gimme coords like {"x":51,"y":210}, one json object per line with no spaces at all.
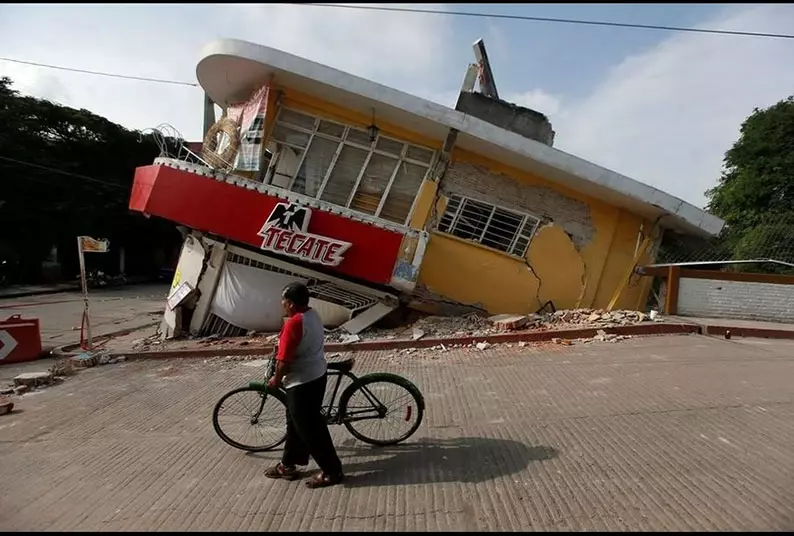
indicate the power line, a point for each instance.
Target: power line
{"x":67,"y":173}
{"x":431,"y":12}
{"x":558,"y":20}
{"x":100,"y":73}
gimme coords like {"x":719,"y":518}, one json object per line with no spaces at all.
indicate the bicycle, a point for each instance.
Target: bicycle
{"x":347,"y":412}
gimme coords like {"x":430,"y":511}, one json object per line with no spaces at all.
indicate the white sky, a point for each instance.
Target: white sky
{"x":664,"y":115}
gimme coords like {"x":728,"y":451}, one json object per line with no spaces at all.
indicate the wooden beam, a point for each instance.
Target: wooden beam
{"x":673,"y":285}
{"x":663,"y":271}
{"x":630,"y":270}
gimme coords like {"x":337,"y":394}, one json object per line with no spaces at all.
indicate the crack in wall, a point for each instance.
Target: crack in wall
{"x":570,"y":215}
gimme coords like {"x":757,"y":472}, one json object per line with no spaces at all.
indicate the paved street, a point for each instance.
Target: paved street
{"x":111,"y":310}
{"x":664,"y":433}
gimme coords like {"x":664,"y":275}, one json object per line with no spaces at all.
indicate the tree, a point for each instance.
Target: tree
{"x":67,"y":172}
{"x":755,"y":195}
{"x":757,"y":185}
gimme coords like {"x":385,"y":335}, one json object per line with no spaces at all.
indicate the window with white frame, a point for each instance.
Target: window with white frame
{"x":340,"y":164}
{"x":499,"y":228}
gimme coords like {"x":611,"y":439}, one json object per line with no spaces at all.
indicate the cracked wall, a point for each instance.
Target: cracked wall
{"x":577,"y":257}
{"x":558,"y":265}
{"x":539,"y":200}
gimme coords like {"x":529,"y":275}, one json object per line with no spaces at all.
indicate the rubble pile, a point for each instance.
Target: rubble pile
{"x":429,"y":326}
{"x":593,"y":318}
{"x":474,"y":325}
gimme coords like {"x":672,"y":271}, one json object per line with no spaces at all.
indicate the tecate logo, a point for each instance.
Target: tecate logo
{"x":286,"y":232}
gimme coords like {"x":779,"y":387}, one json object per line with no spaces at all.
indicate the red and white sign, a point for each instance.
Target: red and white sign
{"x":237,"y":213}
{"x":7,"y":344}
{"x":286,"y":232}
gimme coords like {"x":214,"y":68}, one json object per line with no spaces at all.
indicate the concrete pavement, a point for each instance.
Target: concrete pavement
{"x":660,"y":433}
{"x":111,"y":310}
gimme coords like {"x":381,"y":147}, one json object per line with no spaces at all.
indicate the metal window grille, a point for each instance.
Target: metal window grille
{"x":339,"y":164}
{"x":496,"y":227}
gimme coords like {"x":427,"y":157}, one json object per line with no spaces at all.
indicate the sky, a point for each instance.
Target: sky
{"x":661,"y":107}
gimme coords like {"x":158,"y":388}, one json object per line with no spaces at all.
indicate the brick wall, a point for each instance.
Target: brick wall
{"x":479,"y":183}
{"x":736,"y":299}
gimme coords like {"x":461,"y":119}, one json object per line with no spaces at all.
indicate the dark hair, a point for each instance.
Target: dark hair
{"x":297,"y":293}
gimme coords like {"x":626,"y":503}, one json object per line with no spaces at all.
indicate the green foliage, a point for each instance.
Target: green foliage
{"x":755,"y":195}
{"x":41,"y":208}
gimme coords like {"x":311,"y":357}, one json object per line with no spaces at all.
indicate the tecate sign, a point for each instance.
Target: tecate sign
{"x":286,"y":232}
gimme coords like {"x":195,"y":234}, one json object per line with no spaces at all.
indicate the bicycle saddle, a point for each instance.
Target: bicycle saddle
{"x":344,"y":366}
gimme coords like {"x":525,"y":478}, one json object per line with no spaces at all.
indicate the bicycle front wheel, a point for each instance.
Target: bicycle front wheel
{"x":382,"y":409}
{"x":251,"y":419}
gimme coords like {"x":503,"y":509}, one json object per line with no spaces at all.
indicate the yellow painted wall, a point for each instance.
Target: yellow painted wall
{"x":553,"y":270}
{"x":476,"y":275}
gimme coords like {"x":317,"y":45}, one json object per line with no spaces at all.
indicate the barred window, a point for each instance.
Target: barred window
{"x":495,"y":227}
{"x":340,"y":164}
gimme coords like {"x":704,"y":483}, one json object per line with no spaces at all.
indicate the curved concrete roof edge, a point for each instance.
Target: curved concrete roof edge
{"x":473,"y":126}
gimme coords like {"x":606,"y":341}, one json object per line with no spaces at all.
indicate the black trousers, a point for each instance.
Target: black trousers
{"x":307,"y":431}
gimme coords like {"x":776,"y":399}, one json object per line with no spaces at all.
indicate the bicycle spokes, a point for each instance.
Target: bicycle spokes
{"x":382,"y":411}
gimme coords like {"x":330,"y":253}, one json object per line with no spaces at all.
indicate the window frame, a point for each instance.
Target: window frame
{"x":343,"y":141}
{"x":517,"y":235}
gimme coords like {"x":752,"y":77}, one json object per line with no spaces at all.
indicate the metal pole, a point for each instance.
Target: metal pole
{"x":84,"y":283}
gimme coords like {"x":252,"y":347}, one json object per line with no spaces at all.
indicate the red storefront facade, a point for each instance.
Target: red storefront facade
{"x":270,"y":221}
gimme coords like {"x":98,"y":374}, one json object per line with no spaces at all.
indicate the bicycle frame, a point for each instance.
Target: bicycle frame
{"x":331,"y":409}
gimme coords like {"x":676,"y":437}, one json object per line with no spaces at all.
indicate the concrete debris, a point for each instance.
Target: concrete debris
{"x":474,"y":325}
{"x":347,"y":339}
{"x":63,"y":367}
{"x":85,"y":360}
{"x":33,"y":379}
{"x":6,"y":406}
{"x":589,"y":317}
{"x":20,"y":390}
{"x":509,"y":322}
{"x":603,"y":336}
{"x":483,"y":345}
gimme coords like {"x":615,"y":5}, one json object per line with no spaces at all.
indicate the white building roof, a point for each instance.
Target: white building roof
{"x":229,"y":70}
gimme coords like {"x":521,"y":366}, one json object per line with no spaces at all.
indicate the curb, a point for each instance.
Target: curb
{"x":646,"y":329}
{"x":362,"y":346}
{"x":67,"y":350}
{"x":68,"y":288}
{"x":718,"y":330}
{"x":24,"y":294}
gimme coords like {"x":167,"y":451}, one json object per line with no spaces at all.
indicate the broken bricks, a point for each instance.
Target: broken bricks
{"x":6,"y":406}
{"x":33,"y":379}
{"x":508,"y":322}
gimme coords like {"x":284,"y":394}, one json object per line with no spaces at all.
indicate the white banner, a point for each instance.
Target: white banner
{"x":250,"y":297}
{"x":252,"y":131}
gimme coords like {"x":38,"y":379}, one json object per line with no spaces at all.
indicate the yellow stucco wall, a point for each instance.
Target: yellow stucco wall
{"x":475,"y":275}
{"x":553,"y":269}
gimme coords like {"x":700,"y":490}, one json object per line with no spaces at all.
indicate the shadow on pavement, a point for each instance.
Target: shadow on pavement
{"x":464,"y":459}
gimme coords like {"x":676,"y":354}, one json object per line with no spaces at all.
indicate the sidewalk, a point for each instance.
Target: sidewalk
{"x":21,"y":291}
{"x":143,"y":343}
{"x":36,"y":290}
{"x":671,"y":434}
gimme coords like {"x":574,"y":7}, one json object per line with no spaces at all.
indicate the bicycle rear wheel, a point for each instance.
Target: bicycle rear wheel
{"x":382,"y":409}
{"x":251,"y":419}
